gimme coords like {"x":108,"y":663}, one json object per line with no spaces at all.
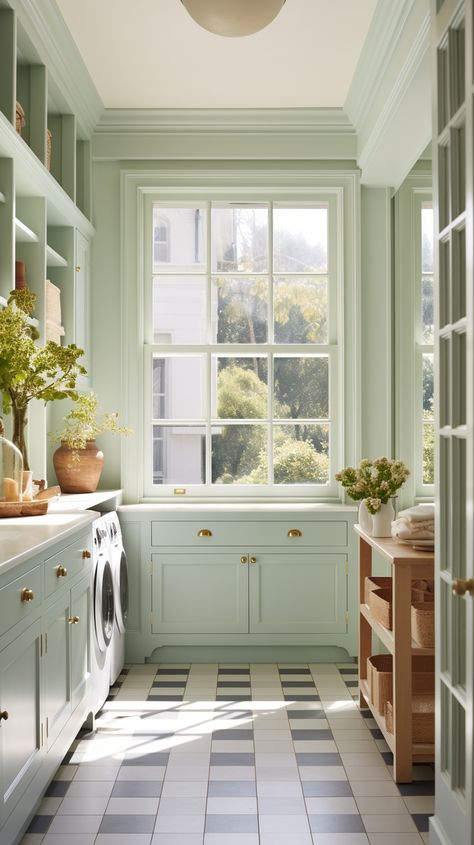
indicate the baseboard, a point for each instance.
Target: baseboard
{"x":250,"y":654}
{"x":438,"y":833}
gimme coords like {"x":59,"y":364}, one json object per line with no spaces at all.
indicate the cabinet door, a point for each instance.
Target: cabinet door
{"x":56,"y":667}
{"x":199,"y":594}
{"x":20,"y":734}
{"x":298,"y":594}
{"x":81,"y":597}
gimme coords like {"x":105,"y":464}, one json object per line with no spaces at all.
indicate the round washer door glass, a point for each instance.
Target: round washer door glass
{"x":122,"y":603}
{"x":107,"y":603}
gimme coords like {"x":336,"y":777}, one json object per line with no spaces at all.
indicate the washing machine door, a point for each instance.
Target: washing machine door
{"x":104,"y":609}
{"x":121,"y":603}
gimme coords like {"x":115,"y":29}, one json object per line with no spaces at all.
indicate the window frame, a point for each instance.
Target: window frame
{"x":138,"y":194}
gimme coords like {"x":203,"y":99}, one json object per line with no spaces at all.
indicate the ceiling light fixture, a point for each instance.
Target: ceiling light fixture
{"x":233,"y":18}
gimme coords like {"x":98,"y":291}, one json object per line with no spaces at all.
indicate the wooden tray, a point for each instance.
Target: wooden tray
{"x":35,"y":508}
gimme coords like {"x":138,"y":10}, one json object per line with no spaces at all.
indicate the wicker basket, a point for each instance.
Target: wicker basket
{"x":423,"y":719}
{"x":54,"y":332}
{"x":422,"y":623}
{"x":422,"y":590}
{"x":20,"y":121}
{"x":53,"y":303}
{"x":380,"y":677}
{"x":380,"y":604}
{"x":373,"y":583}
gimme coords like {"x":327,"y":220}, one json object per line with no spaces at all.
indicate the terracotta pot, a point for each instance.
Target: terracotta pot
{"x":82,"y":475}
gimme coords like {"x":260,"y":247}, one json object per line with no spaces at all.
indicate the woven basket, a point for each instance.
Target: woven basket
{"x":380,"y":603}
{"x":53,"y":303}
{"x":380,"y":677}
{"x":422,"y":624}
{"x":373,"y":583}
{"x":421,"y":590}
{"x":423,"y":719}
{"x":54,"y":332}
{"x":20,"y":121}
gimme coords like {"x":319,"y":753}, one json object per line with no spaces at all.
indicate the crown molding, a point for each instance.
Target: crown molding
{"x":44,"y":26}
{"x":298,"y":120}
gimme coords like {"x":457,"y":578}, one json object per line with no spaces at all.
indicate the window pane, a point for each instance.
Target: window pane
{"x":428,"y":386}
{"x":300,"y":239}
{"x":239,"y":454}
{"x":427,"y":309}
{"x":301,"y":454}
{"x":242,"y":390}
{"x":180,"y":380}
{"x":179,"y":309}
{"x":427,"y":240}
{"x":239,"y":310}
{"x":301,"y":387}
{"x":179,"y":238}
{"x":239,"y":236}
{"x":300,"y":308}
{"x":428,"y":453}
{"x":179,"y":454}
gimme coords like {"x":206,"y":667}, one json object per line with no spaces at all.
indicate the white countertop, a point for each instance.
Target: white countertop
{"x":22,"y":537}
{"x":269,"y":507}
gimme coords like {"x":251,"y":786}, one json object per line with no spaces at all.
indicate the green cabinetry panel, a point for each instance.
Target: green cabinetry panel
{"x":55,"y":667}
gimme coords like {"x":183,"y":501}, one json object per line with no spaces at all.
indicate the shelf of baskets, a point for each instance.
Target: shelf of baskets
{"x":406,"y":565}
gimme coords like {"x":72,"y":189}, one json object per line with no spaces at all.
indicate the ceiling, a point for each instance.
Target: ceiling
{"x":151,"y":54}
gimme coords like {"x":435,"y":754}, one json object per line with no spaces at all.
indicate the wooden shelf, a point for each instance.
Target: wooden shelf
{"x":54,"y":259}
{"x":386,"y":636}
{"x":423,"y":752}
{"x":23,"y":234}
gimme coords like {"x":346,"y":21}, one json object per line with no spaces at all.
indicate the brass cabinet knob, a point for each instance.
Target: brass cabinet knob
{"x":460,"y":588}
{"x":27,"y":594}
{"x":295,"y":532}
{"x":78,"y":268}
{"x":4,"y":715}
{"x":244,"y":559}
{"x":253,"y":560}
{"x":86,"y":554}
{"x":204,"y":532}
{"x":61,"y":571}
{"x":73,"y":620}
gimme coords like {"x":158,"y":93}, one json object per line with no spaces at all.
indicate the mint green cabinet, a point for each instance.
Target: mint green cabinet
{"x":55,"y":667}
{"x":80,"y":634}
{"x":21,"y":753}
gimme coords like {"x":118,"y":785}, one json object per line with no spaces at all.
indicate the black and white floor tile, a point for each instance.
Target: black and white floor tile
{"x":208,"y":754}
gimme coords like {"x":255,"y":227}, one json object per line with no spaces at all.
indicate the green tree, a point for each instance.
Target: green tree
{"x":294,"y":462}
{"x":241,"y":395}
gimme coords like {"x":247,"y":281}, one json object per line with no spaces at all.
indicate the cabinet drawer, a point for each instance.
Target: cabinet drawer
{"x":61,"y":568}
{"x":16,"y":603}
{"x":246,"y":535}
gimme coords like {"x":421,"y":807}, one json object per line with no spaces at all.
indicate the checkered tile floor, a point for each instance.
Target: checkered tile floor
{"x":208,"y":754}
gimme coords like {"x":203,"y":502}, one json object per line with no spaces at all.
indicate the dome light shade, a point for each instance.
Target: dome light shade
{"x":233,"y":18}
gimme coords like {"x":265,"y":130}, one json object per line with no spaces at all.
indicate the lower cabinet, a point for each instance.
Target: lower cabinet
{"x":45,"y":661}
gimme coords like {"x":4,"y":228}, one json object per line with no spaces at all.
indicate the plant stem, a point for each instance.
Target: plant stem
{"x":19,"y":425}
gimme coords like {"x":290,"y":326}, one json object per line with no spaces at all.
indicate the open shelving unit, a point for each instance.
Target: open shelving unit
{"x":407,"y":564}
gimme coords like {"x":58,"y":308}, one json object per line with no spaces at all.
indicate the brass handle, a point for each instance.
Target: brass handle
{"x":77,"y":268}
{"x":460,"y":588}
{"x":61,"y":571}
{"x":204,"y":532}
{"x":86,"y":554}
{"x":27,"y":594}
{"x":295,"y":532}
{"x":73,"y":620}
{"x":253,"y":560}
{"x":244,"y":559}
{"x":4,"y":715}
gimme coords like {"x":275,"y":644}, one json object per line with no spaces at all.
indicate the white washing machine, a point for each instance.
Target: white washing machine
{"x":103,"y":622}
{"x":118,"y":562}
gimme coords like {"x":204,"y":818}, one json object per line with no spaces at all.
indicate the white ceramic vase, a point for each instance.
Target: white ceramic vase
{"x":382,"y":520}
{"x":365,"y":518}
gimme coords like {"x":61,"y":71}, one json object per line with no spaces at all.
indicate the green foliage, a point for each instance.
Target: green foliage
{"x":375,"y":481}
{"x":294,"y":462}
{"x":241,"y":394}
{"x":428,"y":454}
{"x":84,"y":423}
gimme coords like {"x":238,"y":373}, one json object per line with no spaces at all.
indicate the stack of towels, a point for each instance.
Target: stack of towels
{"x":416,"y":523}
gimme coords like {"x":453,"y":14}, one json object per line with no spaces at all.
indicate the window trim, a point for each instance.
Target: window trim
{"x":138,"y":189}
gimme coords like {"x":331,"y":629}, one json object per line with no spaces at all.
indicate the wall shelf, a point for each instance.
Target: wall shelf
{"x":23,"y":234}
{"x":54,"y":259}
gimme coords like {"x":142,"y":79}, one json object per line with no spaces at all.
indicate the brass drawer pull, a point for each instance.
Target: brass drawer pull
{"x":4,"y":715}
{"x":244,"y":559}
{"x":460,"y":588}
{"x":27,"y":594}
{"x":205,"y":532}
{"x":253,"y":560}
{"x":61,"y":571}
{"x":73,"y":620}
{"x":86,"y":554}
{"x":295,"y":532}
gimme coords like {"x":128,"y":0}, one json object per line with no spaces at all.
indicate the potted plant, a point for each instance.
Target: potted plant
{"x":78,"y":461}
{"x":373,"y":484}
{"x":29,"y":371}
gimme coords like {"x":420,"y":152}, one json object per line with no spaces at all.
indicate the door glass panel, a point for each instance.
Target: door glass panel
{"x":239,"y":454}
{"x":178,"y":454}
{"x":300,"y":309}
{"x":239,"y":238}
{"x":239,"y":309}
{"x":300,"y":239}
{"x":301,"y":387}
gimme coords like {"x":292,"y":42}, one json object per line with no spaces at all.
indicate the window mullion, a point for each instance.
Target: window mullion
{"x":271,"y":341}
{"x":210,"y":340}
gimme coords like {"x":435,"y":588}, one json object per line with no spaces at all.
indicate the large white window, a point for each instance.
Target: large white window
{"x":243,"y":360}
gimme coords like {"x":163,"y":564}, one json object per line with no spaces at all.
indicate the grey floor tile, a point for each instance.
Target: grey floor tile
{"x":232,"y":789}
{"x":319,"y":759}
{"x":231,"y":759}
{"x":136,"y":789}
{"x":127,"y":824}
{"x":326,"y":823}
{"x":328,"y":788}
{"x":238,"y":823}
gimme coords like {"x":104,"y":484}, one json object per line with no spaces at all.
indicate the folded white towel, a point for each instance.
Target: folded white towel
{"x":406,"y":533}
{"x":417,"y":513}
